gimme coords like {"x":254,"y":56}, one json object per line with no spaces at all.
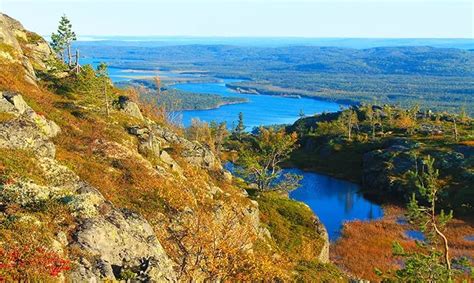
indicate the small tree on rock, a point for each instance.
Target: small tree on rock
{"x":349,"y":119}
{"x":62,"y":40}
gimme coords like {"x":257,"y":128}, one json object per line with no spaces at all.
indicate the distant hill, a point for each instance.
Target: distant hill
{"x":358,"y":43}
{"x":419,"y":60}
{"x":436,"y":78}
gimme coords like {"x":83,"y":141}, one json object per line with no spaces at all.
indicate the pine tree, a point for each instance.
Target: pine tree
{"x":101,"y":73}
{"x":370,"y":115}
{"x":62,"y":40}
{"x":430,"y":263}
{"x":349,"y":119}
{"x":239,"y":130}
{"x":58,"y":45}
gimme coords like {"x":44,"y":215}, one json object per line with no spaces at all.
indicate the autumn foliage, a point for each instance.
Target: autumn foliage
{"x":26,"y":263}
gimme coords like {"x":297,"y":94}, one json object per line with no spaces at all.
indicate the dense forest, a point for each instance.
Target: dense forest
{"x":177,"y":100}
{"x":435,"y":78}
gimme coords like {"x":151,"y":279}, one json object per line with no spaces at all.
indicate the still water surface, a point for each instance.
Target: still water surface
{"x":334,"y":201}
{"x":260,"y":110}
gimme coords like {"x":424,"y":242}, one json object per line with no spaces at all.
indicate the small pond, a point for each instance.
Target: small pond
{"x":334,"y":201}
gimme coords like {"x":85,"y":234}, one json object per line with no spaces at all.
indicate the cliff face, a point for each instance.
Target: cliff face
{"x":112,"y":197}
{"x":18,"y":45}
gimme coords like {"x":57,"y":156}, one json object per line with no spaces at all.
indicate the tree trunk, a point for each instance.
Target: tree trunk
{"x":349,"y":129}
{"x":69,"y":55}
{"x":373,"y":130}
{"x":456,"y":136}
{"x":445,"y":240}
{"x":107,"y":111}
{"x":446,"y":247}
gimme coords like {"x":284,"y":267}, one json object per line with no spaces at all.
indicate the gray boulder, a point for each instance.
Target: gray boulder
{"x":28,"y":130}
{"x":193,"y":152}
{"x":129,"y":107}
{"x":22,"y":133}
{"x":122,"y":241}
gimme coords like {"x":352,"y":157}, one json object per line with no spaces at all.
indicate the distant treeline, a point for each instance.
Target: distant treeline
{"x":177,"y":100}
{"x":437,"y":78}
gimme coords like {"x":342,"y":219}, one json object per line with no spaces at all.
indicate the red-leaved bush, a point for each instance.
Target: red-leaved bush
{"x":29,"y":263}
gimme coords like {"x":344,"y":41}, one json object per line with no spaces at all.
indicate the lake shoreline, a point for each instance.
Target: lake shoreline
{"x":219,"y":105}
{"x":260,"y":91}
{"x":258,"y":111}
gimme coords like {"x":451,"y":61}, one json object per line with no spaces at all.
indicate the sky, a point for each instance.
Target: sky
{"x":251,"y":18}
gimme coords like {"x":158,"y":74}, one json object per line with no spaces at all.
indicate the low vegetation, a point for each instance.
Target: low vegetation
{"x":296,"y":236}
{"x":376,"y":238}
{"x":388,"y":151}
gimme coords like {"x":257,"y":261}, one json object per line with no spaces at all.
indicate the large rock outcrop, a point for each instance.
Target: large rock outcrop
{"x":193,"y":152}
{"x":116,"y":240}
{"x":385,"y":169}
{"x":156,"y":139}
{"x":28,"y":130}
{"x":19,"y":46}
{"x":121,"y":241}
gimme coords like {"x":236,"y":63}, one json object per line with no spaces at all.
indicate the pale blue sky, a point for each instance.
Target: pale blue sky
{"x":302,"y":18}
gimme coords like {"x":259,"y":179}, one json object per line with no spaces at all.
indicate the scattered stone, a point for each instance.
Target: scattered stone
{"x":129,"y":107}
{"x":168,"y":160}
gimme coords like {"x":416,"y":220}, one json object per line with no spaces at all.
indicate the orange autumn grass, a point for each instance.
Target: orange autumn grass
{"x":365,"y":246}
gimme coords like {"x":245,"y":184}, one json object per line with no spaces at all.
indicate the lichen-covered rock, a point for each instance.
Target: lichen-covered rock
{"x":192,"y":152}
{"x":382,"y":167}
{"x":156,"y":138}
{"x":121,"y":240}
{"x":29,"y":194}
{"x":321,"y":230}
{"x":23,"y":47}
{"x":28,"y":130}
{"x":12,"y":102}
{"x":129,"y":107}
{"x":147,"y":142}
{"x":22,"y":133}
{"x":8,"y":26}
{"x":168,"y":160}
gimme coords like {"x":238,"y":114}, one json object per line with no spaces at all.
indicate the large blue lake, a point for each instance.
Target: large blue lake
{"x":260,"y":110}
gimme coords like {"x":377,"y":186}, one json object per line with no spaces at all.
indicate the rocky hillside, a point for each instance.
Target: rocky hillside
{"x":385,"y":148}
{"x":90,"y":196}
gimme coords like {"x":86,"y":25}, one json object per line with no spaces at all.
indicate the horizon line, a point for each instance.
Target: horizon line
{"x":269,"y":37}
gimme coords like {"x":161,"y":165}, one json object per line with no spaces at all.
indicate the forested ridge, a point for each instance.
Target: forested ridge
{"x":436,"y":78}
